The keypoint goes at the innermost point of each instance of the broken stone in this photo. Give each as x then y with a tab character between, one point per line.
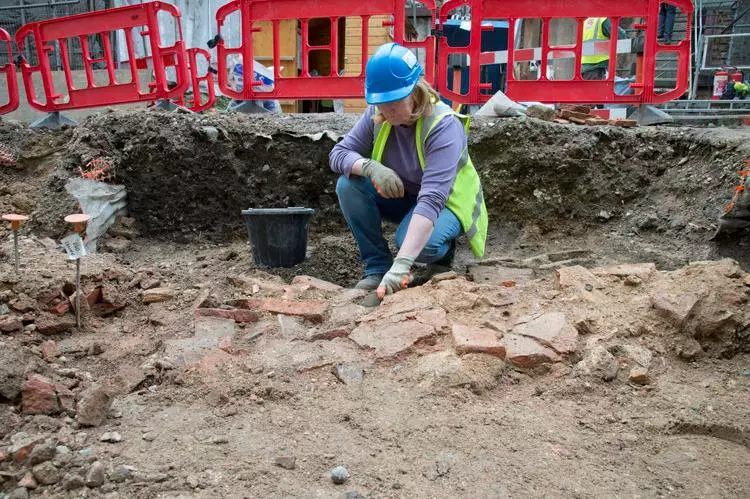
117	244
599	363
93	406
640	355
38	396
523	351
313	310
639	375
339	475
10	325
49	325
442	371
688	349
46	473
674	308
44	451
122	473
467	339
315	283
349	374
28	481
391	339
287	462
150	283
19	493
95	476
208	334
157	295
552	330
292	328
444	276
72	481
578	278
497	275
23	304
644	271
540	112
50	351
22	445
633	281
111	436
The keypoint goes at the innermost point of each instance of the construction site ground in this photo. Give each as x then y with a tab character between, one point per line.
601	349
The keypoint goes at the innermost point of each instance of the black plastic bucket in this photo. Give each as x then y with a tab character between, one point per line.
278	235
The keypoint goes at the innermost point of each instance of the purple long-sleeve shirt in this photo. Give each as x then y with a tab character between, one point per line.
442	153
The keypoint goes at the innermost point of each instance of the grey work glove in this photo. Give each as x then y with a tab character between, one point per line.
386	181
397	278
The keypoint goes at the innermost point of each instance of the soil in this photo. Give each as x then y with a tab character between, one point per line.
426	422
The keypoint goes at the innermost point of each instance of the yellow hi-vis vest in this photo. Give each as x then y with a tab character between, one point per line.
466	199
593	30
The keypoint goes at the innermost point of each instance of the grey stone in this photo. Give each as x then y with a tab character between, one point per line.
72	481
13	361
600	363
42	452
121	473
349	374
111	437
46	473
288	462
19	493
62	449
339	475
95	476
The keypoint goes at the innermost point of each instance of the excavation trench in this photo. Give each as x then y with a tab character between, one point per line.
650	194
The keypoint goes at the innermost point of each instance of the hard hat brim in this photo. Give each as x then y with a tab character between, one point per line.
374	98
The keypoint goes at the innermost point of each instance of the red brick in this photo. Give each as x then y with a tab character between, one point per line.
391	339
313	310
55	325
237	315
477	340
314	283
214	312
50	351
249	304
525	352
642	270
242	315
10	325
675	308
552	330
61	308
38	396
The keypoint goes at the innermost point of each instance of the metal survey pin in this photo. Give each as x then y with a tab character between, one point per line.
76	250
16	221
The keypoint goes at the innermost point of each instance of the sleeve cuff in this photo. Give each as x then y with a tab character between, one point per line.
426	211
349	160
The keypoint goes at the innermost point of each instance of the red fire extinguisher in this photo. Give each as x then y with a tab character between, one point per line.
722	77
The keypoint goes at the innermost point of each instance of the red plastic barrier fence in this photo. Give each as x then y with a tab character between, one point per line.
575	90
306	86
10	74
196	103
45	35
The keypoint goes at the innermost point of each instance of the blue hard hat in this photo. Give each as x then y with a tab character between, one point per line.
391	74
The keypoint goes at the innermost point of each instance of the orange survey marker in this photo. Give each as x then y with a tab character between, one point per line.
16	221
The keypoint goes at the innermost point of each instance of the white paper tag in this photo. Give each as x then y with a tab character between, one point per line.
409	58
74	247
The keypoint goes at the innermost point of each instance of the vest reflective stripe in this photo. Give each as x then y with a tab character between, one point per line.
593	30
466	199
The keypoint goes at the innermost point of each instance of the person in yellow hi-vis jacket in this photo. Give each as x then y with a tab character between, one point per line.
406	160
595	67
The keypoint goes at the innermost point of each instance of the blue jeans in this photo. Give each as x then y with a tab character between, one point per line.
666	21
364	210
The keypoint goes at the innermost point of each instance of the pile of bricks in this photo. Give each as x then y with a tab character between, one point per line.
582	115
